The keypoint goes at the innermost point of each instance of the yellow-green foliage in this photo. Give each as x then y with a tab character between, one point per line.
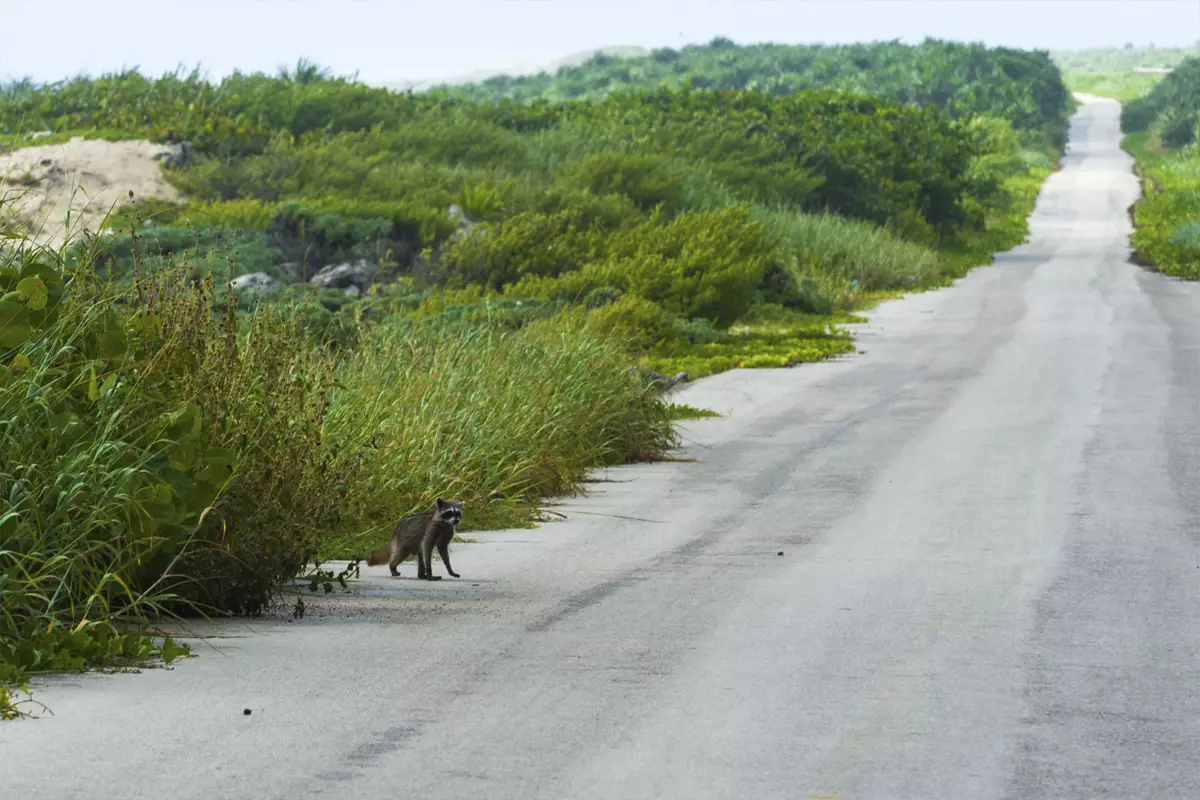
1162	129
1168	232
497	255
705	264
770	337
640	322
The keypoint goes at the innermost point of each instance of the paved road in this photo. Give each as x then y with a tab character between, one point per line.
988	586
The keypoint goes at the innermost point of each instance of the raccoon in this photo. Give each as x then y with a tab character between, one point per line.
419	534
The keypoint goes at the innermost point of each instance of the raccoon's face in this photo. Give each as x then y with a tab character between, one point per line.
449	512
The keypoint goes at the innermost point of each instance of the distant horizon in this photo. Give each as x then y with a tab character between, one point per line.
420	42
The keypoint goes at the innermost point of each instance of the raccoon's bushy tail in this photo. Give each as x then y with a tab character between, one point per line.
380	556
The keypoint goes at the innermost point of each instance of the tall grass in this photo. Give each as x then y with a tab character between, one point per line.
165	451
496	418
68	484
851	251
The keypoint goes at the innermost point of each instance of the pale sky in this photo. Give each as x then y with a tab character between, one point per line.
421	40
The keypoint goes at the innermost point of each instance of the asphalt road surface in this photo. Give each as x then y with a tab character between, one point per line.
960	565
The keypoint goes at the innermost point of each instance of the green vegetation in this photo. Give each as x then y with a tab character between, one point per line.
1121	60
1170	110
165	451
170	443
963	80
1122	86
683	411
1161	134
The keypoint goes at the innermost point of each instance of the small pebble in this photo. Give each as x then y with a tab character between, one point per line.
779	553
246	711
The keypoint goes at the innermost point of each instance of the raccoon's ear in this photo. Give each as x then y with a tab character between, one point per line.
441	503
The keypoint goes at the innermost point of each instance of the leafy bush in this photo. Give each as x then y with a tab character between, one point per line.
648	181
964	80
1173	103
706	264
853	155
498	255
1163	128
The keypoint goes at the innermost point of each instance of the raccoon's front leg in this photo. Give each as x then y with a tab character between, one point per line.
444	549
426	553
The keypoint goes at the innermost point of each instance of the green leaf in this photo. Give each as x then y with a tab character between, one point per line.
171	651
184	422
181	455
21	361
33	292
93	390
111	343
15	332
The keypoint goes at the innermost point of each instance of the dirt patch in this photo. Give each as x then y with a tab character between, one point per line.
85	178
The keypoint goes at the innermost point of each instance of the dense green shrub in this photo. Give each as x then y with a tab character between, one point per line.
704	264
964	80
152	406
855	155
1165	216
647	180
1173	103
497	255
1163	127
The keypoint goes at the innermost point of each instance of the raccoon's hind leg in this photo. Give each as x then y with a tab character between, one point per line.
444	549
398	555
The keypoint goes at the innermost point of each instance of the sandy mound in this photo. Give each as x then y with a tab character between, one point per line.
86	178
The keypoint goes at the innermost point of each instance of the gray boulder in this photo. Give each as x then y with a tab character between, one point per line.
176	155
464	225
341	276
255	280
459	217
